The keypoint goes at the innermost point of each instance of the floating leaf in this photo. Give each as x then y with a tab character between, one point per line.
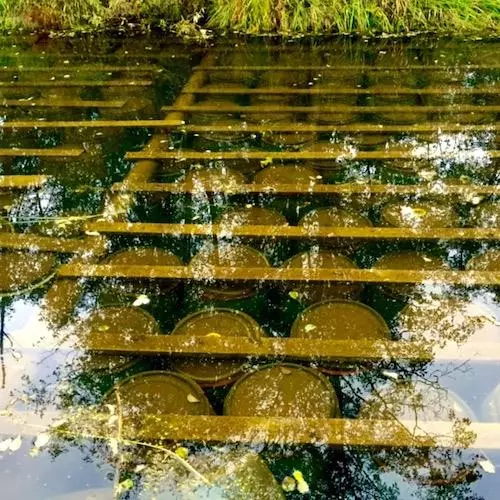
267	161
141	300
192	399
103	328
289	484
42	439
139	468
5	445
126	485
285	370
294	294
310	327
15	444
182	452
488	466
389	374
302	486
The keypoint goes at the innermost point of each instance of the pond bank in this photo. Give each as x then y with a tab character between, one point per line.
286	17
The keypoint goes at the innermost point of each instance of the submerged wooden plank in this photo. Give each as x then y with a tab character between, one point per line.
76	83
60	103
333	90
45	152
225	108
239	347
22	181
45	243
322	431
356	127
261	231
327	68
349	188
29	124
465	278
386	154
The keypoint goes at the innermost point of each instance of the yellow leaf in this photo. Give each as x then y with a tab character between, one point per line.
294	294
192	399
288	484
267	161
182	452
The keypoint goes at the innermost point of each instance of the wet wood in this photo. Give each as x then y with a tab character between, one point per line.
333	90
223	108
327	68
385	154
355	127
295	232
22	181
239	347
351	432
76	83
60	103
45	243
464	278
43	152
91	124
365	189
75	68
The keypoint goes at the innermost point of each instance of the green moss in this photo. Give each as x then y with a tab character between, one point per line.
260	16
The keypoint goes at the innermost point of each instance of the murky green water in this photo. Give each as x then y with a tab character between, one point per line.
249	271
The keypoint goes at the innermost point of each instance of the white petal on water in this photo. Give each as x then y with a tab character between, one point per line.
16	444
141	300
42	439
5	445
488	466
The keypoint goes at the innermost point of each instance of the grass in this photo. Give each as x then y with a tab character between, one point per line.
261	16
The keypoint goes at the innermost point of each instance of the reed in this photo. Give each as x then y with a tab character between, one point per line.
287	17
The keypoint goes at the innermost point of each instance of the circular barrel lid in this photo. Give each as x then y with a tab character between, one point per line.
282	390
228	136
486	214
449	320
333	217
227	255
340	320
214	323
408	260
426	214
287	139
125	323
255	216
287	174
310	292
490	409
214	178
487	261
146	256
156	393
21	269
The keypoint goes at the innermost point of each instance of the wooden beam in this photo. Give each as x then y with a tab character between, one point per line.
286	430
43	152
22	181
239	347
386	154
60	103
91	124
350	188
464	278
327	68
354	127
226	108
73	68
296	232
348	90
76	83
19	241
